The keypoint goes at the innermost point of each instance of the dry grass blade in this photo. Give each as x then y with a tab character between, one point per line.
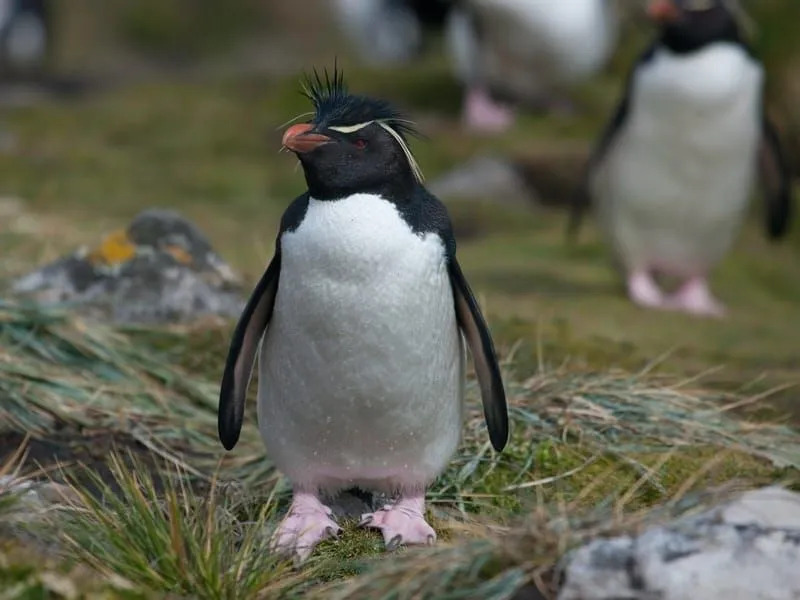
62	378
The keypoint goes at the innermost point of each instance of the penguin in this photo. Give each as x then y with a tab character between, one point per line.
364	313
390	31
671	174
25	36
522	51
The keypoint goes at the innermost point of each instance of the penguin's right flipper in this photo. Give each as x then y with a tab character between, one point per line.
241	356
248	333
776	181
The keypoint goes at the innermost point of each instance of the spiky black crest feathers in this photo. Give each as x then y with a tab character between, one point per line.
335	108
334	105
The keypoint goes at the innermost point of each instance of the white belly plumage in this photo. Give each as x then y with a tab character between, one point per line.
362	367
673	190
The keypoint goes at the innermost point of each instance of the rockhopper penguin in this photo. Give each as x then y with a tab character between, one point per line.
672	174
363	312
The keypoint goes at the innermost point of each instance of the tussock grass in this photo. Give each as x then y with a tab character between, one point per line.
65	380
9	479
588	451
156	532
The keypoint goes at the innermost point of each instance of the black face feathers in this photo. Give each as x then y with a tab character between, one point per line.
700	23
334	106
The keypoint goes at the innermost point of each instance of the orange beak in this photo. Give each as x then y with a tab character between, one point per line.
298	139
663	11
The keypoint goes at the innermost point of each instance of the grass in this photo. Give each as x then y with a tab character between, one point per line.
163	511
162	536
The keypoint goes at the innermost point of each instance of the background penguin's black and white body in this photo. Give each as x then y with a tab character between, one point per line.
672	175
389	31
524	50
361	372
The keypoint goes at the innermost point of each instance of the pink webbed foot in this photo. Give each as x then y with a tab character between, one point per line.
695	297
307	523
483	114
402	523
642	290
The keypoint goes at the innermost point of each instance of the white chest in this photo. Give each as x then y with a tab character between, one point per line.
355	259
706	103
564	39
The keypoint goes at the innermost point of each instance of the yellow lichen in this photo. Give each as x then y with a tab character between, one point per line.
115	248
179	254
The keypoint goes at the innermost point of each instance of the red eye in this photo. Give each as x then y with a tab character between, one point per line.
360	144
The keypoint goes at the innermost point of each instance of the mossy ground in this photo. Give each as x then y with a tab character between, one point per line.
208	148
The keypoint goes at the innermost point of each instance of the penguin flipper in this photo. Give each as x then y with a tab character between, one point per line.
241	356
581	198
476	333
776	181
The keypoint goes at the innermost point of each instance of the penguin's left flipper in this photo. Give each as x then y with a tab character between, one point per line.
581	199
776	181
241	356
476	333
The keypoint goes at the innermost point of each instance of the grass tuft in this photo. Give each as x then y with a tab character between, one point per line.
159	533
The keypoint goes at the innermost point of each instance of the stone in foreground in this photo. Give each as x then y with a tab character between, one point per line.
747	549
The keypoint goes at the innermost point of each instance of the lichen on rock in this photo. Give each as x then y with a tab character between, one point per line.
161	268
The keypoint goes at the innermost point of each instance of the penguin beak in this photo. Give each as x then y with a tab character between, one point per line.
663	11
299	138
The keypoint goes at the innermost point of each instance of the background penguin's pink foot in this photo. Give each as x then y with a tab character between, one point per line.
483	114
307	523
402	522
695	297
644	291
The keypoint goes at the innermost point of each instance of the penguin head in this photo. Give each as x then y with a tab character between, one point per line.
353	144
689	25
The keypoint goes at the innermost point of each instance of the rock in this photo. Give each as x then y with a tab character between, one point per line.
485	178
538	177
32	498
743	550
160	269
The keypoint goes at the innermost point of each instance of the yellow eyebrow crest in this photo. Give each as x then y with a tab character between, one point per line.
350	128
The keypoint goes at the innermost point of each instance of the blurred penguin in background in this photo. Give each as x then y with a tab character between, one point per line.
526	52
672	174
390	31
25	38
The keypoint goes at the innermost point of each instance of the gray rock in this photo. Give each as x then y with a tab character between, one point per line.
160	269
486	178
745	550
32	498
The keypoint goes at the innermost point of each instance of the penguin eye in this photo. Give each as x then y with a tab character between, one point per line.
360	144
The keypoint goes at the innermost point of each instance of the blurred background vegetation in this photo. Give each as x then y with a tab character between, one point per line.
178	104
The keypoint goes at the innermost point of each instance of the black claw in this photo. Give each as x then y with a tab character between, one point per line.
333	532
365	521
394	543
